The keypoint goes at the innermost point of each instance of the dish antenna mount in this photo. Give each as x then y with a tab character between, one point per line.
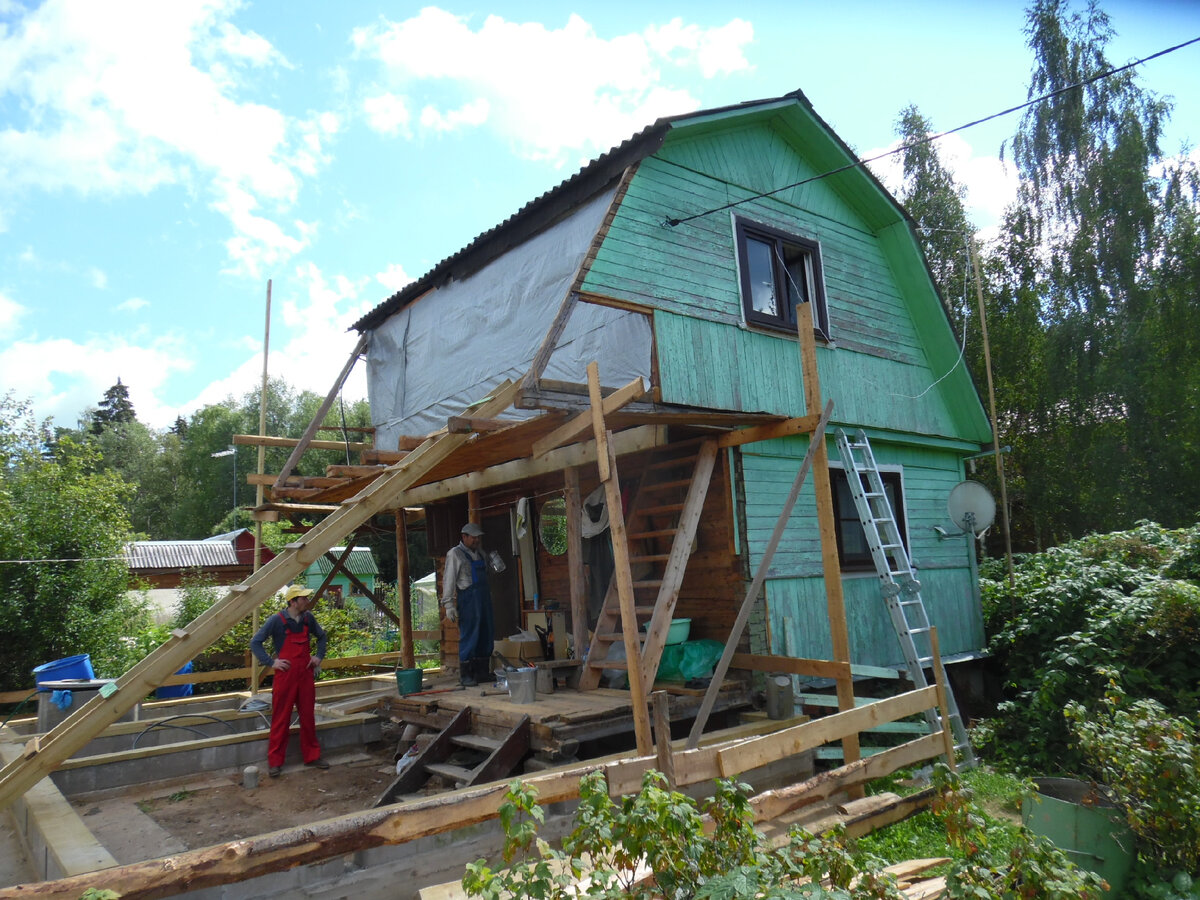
972	507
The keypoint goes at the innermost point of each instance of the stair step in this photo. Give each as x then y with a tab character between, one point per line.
609	664
648	583
660	510
476	742
668	463
611	637
452	773
661	532
667	485
651	557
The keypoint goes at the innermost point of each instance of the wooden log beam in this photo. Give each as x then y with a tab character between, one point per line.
575	572
788	665
798	425
267	440
404	592
579	424
387	492
473	425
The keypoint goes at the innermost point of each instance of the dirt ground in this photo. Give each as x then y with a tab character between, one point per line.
162	819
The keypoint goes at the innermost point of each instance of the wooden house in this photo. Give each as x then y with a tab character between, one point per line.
675	331
679	258
354	579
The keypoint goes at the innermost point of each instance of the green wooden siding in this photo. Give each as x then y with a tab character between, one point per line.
795	587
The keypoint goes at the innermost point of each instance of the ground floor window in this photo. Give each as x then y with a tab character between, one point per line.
853	552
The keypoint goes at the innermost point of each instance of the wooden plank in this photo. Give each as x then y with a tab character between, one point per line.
759	751
578	425
633	440
550	341
387	492
311	431
404	589
662	737
575	571
798	425
743	615
787	665
435	751
474	425
267	440
621	573
939	680
835	603
677	560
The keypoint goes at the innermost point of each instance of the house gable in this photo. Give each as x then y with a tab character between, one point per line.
891	339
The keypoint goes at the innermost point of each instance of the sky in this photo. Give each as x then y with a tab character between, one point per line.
161	161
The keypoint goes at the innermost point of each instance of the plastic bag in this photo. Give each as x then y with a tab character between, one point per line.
691	659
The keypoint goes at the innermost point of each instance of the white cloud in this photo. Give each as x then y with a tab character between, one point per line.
394	277
126	96
10	311
133	304
990	184
550	92
63	376
387	113
315	312
98	278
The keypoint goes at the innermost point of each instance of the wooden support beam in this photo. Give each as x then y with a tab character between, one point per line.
662	737
311	431
579	424
607	462
575	574
835	603
798	425
743	616
387	492
404	592
371	595
254	440
939	680
788	665
473	425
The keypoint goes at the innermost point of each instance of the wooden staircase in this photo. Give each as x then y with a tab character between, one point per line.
661	528
493	758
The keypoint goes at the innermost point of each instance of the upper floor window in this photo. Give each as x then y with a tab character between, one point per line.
779	271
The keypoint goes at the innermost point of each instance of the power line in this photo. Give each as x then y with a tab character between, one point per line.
928	139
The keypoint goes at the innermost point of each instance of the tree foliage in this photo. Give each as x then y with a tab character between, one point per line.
62	571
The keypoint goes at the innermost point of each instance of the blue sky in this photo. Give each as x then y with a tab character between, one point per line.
159	161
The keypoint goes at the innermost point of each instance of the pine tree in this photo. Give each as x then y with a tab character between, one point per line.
115	408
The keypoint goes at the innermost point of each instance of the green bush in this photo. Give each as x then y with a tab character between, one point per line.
1151	762
1077	613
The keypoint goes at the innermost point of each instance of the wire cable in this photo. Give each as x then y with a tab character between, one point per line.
928	139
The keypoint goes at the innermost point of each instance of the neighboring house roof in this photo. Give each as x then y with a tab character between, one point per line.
180	554
543	211
361	562
229	536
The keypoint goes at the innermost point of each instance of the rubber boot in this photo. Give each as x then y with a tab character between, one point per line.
483	670
466	675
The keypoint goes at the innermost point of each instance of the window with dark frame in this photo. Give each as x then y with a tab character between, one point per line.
853	552
779	271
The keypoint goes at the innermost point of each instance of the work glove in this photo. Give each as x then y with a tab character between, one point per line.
452	612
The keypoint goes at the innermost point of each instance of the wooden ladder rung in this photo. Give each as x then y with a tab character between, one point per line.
661	532
660	510
611	637
666	485
651	557
648	583
608	664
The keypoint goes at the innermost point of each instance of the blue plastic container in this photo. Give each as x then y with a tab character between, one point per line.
172	691
71	668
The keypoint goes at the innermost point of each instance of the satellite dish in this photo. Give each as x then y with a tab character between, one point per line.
972	507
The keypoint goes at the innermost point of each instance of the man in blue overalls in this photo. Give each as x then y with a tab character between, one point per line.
468	601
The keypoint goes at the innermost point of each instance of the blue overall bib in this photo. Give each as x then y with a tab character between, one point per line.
475	626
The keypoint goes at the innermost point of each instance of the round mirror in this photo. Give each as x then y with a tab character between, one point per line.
552	526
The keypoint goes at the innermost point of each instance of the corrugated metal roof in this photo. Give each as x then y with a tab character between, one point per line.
180	554
228	535
361	562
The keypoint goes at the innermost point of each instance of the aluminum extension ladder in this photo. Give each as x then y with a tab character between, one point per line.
901	590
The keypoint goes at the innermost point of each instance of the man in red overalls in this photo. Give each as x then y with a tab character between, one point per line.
296	670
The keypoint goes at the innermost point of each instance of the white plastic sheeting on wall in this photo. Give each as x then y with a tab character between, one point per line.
448	349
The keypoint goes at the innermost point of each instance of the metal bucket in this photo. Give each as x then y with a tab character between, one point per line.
1086	825
522	685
